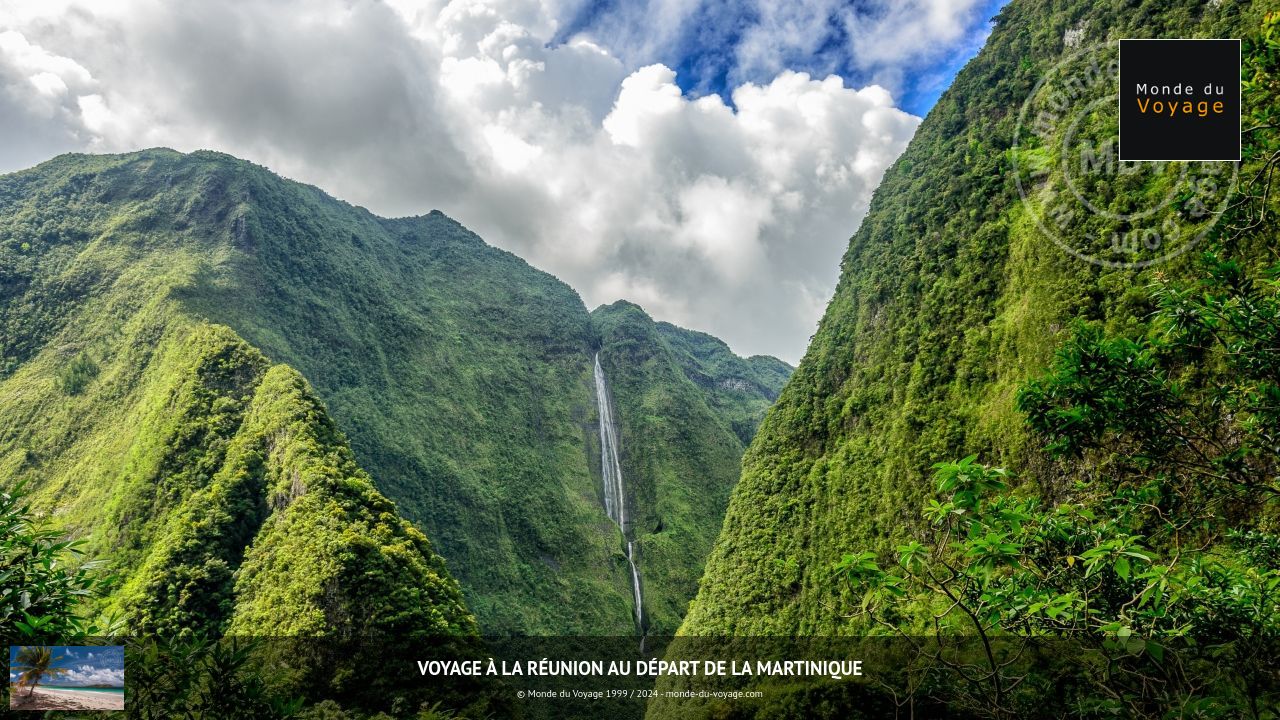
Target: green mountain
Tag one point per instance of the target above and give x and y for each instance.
(220, 484)
(950, 298)
(206, 370)
(739, 390)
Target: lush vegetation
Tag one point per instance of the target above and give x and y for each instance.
(950, 299)
(1162, 561)
(1129, 567)
(45, 584)
(141, 296)
(194, 678)
(217, 488)
(44, 581)
(287, 537)
(738, 389)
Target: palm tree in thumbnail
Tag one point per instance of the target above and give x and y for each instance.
(33, 663)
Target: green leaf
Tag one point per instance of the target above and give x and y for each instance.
(1155, 650)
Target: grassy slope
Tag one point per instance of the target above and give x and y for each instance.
(183, 455)
(948, 299)
(460, 374)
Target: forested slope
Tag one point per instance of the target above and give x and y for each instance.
(950, 299)
(145, 299)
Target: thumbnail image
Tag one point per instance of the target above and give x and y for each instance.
(65, 677)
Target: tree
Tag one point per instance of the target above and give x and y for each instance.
(33, 663)
(194, 677)
(1142, 578)
(1142, 620)
(42, 584)
(1154, 564)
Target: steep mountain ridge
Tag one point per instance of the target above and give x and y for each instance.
(460, 375)
(950, 297)
(206, 451)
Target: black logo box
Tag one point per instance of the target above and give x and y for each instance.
(1180, 65)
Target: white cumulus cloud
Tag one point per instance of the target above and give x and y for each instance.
(728, 218)
(90, 675)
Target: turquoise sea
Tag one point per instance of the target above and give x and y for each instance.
(110, 691)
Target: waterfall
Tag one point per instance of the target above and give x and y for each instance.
(615, 497)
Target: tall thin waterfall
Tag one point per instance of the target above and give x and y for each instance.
(615, 497)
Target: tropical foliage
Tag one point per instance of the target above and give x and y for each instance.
(1130, 567)
(192, 677)
(44, 580)
(1161, 561)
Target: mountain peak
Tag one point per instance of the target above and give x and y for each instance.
(458, 376)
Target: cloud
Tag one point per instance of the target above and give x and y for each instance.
(723, 220)
(871, 35)
(894, 43)
(727, 215)
(40, 95)
(91, 675)
(893, 31)
(907, 36)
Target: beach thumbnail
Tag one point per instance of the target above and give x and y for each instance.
(66, 677)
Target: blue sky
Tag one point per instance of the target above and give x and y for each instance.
(706, 49)
(97, 665)
(706, 159)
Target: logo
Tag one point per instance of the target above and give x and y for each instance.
(1180, 100)
(1079, 192)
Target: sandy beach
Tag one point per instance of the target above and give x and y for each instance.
(48, 699)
